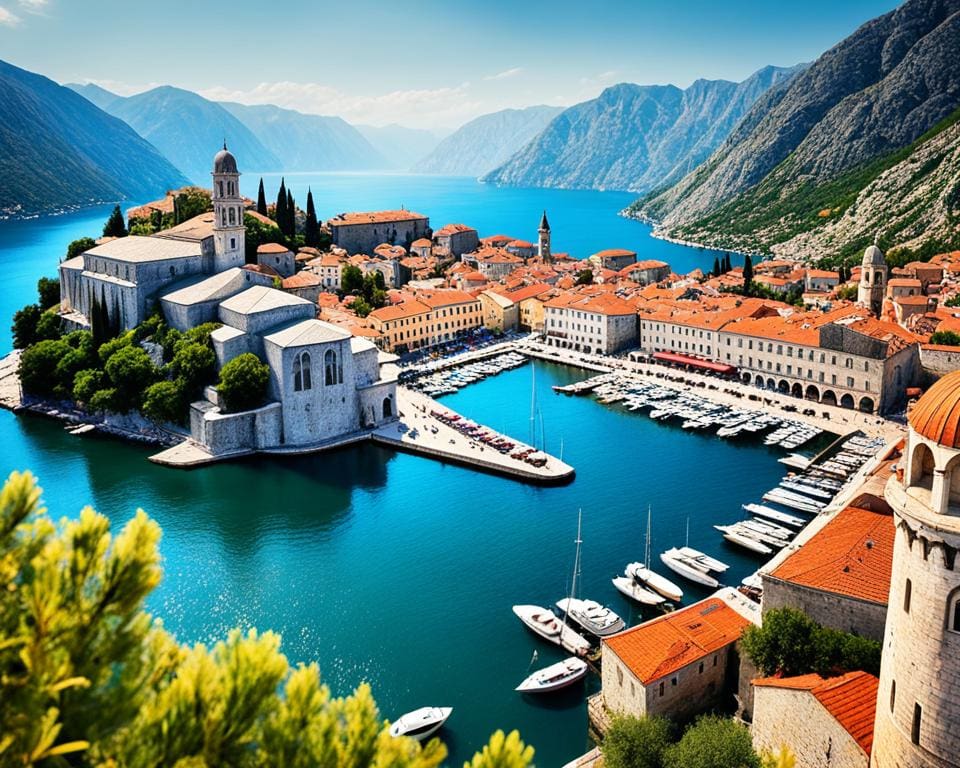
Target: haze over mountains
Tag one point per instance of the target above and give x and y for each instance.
(58, 150)
(830, 158)
(635, 137)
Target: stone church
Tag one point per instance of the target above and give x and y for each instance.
(324, 383)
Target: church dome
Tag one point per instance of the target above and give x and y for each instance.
(936, 416)
(873, 257)
(224, 161)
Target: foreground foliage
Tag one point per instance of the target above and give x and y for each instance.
(636, 742)
(87, 675)
(791, 643)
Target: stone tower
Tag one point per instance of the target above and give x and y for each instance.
(228, 230)
(918, 703)
(544, 239)
(873, 279)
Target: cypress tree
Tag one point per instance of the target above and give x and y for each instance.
(96, 322)
(115, 226)
(726, 263)
(261, 200)
(291, 230)
(747, 274)
(311, 230)
(716, 267)
(280, 215)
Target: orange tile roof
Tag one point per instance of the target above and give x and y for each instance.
(272, 248)
(421, 243)
(936, 415)
(373, 217)
(301, 280)
(615, 252)
(453, 229)
(851, 699)
(399, 311)
(851, 555)
(663, 645)
(601, 304)
(263, 269)
(445, 298)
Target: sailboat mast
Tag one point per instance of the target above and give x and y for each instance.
(533, 404)
(576, 559)
(646, 553)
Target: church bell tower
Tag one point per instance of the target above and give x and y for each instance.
(544, 239)
(228, 229)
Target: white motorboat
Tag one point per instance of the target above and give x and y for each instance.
(590, 615)
(543, 622)
(752, 581)
(702, 560)
(772, 514)
(653, 580)
(677, 563)
(735, 536)
(629, 587)
(421, 723)
(555, 677)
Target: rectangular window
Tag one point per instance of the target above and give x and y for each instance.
(907, 589)
(661, 689)
(915, 730)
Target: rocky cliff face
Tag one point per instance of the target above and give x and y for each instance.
(487, 141)
(635, 137)
(811, 146)
(58, 150)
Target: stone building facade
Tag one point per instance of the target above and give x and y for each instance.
(363, 232)
(601, 324)
(873, 279)
(457, 239)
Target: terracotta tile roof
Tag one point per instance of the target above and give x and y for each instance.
(474, 277)
(526, 292)
(421, 243)
(936, 415)
(611, 252)
(904, 282)
(399, 311)
(851, 555)
(850, 698)
(263, 269)
(823, 273)
(452, 229)
(445, 298)
(373, 217)
(301, 280)
(272, 248)
(663, 645)
(601, 304)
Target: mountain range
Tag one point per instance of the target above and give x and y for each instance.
(58, 150)
(486, 142)
(815, 165)
(636, 137)
(401, 147)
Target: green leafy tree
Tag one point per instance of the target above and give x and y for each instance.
(24, 326)
(164, 401)
(503, 752)
(106, 350)
(351, 280)
(49, 326)
(194, 366)
(82, 356)
(311, 227)
(258, 233)
(115, 226)
(104, 399)
(243, 383)
(91, 679)
(38, 367)
(87, 383)
(947, 338)
(713, 742)
(747, 275)
(79, 246)
(361, 306)
(48, 291)
(130, 371)
(261, 200)
(636, 742)
(953, 301)
(584, 277)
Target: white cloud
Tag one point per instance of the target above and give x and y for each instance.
(8, 19)
(33, 6)
(513, 71)
(421, 108)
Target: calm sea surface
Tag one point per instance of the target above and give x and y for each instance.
(394, 569)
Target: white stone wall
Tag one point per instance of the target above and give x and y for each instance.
(363, 238)
(795, 719)
(848, 614)
(459, 243)
(261, 322)
(223, 433)
(591, 332)
(285, 263)
(665, 336)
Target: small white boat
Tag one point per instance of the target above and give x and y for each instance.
(543, 622)
(590, 615)
(702, 560)
(555, 677)
(735, 536)
(421, 723)
(677, 563)
(772, 514)
(655, 581)
(629, 587)
(752, 581)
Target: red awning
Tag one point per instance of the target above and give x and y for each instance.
(670, 357)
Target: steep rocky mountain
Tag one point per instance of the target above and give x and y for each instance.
(308, 142)
(805, 152)
(635, 137)
(58, 150)
(93, 92)
(486, 142)
(401, 147)
(188, 128)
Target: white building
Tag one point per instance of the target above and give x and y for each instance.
(592, 323)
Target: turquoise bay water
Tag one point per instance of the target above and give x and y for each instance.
(390, 568)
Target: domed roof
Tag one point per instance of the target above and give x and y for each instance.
(873, 257)
(936, 416)
(224, 161)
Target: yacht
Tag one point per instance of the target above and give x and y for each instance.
(739, 537)
(543, 622)
(677, 563)
(421, 723)
(772, 514)
(704, 562)
(555, 677)
(629, 587)
(655, 581)
(596, 619)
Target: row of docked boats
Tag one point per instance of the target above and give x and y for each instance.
(449, 380)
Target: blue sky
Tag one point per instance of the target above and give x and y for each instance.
(424, 64)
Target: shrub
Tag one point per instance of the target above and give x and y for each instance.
(131, 371)
(635, 742)
(164, 401)
(38, 367)
(243, 383)
(947, 338)
(48, 291)
(713, 742)
(87, 383)
(24, 326)
(80, 246)
(49, 326)
(194, 365)
(109, 348)
(103, 400)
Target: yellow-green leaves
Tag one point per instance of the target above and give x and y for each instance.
(503, 752)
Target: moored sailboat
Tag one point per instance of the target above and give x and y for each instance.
(556, 676)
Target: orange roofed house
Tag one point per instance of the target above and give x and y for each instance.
(600, 323)
(363, 232)
(434, 317)
(678, 664)
(827, 722)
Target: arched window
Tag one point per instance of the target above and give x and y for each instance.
(387, 408)
(233, 216)
(220, 187)
(332, 372)
(223, 216)
(301, 372)
(953, 611)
